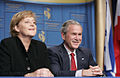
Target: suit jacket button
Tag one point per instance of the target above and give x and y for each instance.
(28, 68)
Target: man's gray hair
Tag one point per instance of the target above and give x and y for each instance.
(66, 24)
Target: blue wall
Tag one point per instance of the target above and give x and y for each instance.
(50, 17)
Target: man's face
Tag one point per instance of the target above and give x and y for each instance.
(73, 37)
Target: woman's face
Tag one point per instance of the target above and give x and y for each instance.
(26, 27)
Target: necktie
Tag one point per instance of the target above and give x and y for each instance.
(73, 65)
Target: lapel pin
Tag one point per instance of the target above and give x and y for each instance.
(82, 58)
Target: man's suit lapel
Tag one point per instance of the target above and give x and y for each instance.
(80, 59)
(64, 57)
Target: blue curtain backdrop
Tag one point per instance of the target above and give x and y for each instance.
(50, 17)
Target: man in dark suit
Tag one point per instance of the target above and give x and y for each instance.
(68, 59)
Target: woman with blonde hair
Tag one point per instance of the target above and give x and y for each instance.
(20, 55)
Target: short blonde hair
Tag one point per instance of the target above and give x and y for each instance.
(17, 18)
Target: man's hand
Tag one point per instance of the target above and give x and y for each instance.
(92, 71)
